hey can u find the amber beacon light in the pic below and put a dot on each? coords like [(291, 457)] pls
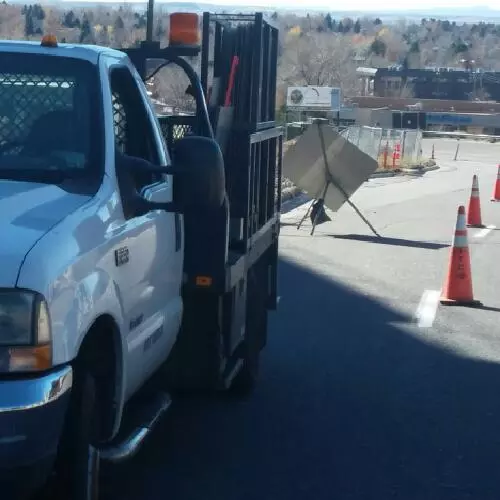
[(184, 29), (49, 41)]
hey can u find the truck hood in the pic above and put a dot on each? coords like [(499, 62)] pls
[(28, 210)]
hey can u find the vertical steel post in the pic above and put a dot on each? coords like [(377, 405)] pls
[(149, 21)]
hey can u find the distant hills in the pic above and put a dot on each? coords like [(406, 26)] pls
[(474, 14)]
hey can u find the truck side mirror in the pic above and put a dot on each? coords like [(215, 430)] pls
[(200, 181)]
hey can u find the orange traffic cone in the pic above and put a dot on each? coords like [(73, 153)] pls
[(496, 189), (457, 290), (474, 208)]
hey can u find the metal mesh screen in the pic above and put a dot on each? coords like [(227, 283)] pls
[(175, 127), (120, 124), (179, 131), (23, 100)]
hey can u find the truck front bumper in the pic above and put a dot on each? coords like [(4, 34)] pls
[(32, 412)]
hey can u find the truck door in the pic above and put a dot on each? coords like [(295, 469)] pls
[(151, 281)]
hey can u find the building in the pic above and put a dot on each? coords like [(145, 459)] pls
[(423, 104), (427, 114), (431, 83)]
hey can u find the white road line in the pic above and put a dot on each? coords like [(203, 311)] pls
[(484, 232), (427, 308)]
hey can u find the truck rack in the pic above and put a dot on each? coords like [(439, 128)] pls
[(231, 253), (245, 127)]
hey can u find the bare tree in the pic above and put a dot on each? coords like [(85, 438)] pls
[(168, 89), (11, 22), (312, 51), (320, 59)]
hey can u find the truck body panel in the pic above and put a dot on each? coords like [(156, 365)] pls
[(29, 210), (83, 52)]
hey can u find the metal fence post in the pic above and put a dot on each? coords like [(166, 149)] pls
[(403, 149)]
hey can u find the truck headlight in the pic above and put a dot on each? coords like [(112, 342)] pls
[(25, 336)]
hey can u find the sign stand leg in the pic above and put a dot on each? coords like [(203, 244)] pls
[(332, 181), (306, 215)]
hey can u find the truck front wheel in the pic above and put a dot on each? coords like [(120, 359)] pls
[(76, 474)]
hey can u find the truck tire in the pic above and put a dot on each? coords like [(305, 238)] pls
[(76, 473), (245, 381), (255, 336)]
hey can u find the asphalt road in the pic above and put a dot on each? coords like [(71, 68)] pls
[(359, 398)]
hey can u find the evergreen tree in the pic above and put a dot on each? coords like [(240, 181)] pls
[(378, 47), (119, 24), (329, 22), (86, 31)]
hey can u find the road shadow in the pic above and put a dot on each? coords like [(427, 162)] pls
[(350, 406), (382, 240), (489, 308)]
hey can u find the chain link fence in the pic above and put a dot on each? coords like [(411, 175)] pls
[(392, 148)]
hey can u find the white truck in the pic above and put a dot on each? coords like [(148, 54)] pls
[(136, 248)]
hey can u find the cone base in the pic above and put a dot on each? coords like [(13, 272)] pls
[(478, 226), (464, 303), (495, 199)]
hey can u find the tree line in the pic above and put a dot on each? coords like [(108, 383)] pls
[(313, 49)]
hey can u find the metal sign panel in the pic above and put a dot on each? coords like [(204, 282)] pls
[(309, 98), (348, 166)]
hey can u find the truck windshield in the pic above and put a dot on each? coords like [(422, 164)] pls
[(50, 126)]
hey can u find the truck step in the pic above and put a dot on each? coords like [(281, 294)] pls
[(137, 428), (232, 369)]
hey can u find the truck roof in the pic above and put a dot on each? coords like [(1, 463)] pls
[(88, 53)]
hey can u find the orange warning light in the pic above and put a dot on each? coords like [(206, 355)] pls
[(184, 29), (203, 281), (49, 41)]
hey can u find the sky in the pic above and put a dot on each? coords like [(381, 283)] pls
[(351, 6), (362, 5)]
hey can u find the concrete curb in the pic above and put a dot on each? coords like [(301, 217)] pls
[(419, 171), (405, 171), (377, 175)]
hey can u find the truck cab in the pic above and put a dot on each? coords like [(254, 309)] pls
[(120, 260), (79, 255)]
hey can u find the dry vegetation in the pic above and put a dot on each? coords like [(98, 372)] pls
[(314, 50)]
